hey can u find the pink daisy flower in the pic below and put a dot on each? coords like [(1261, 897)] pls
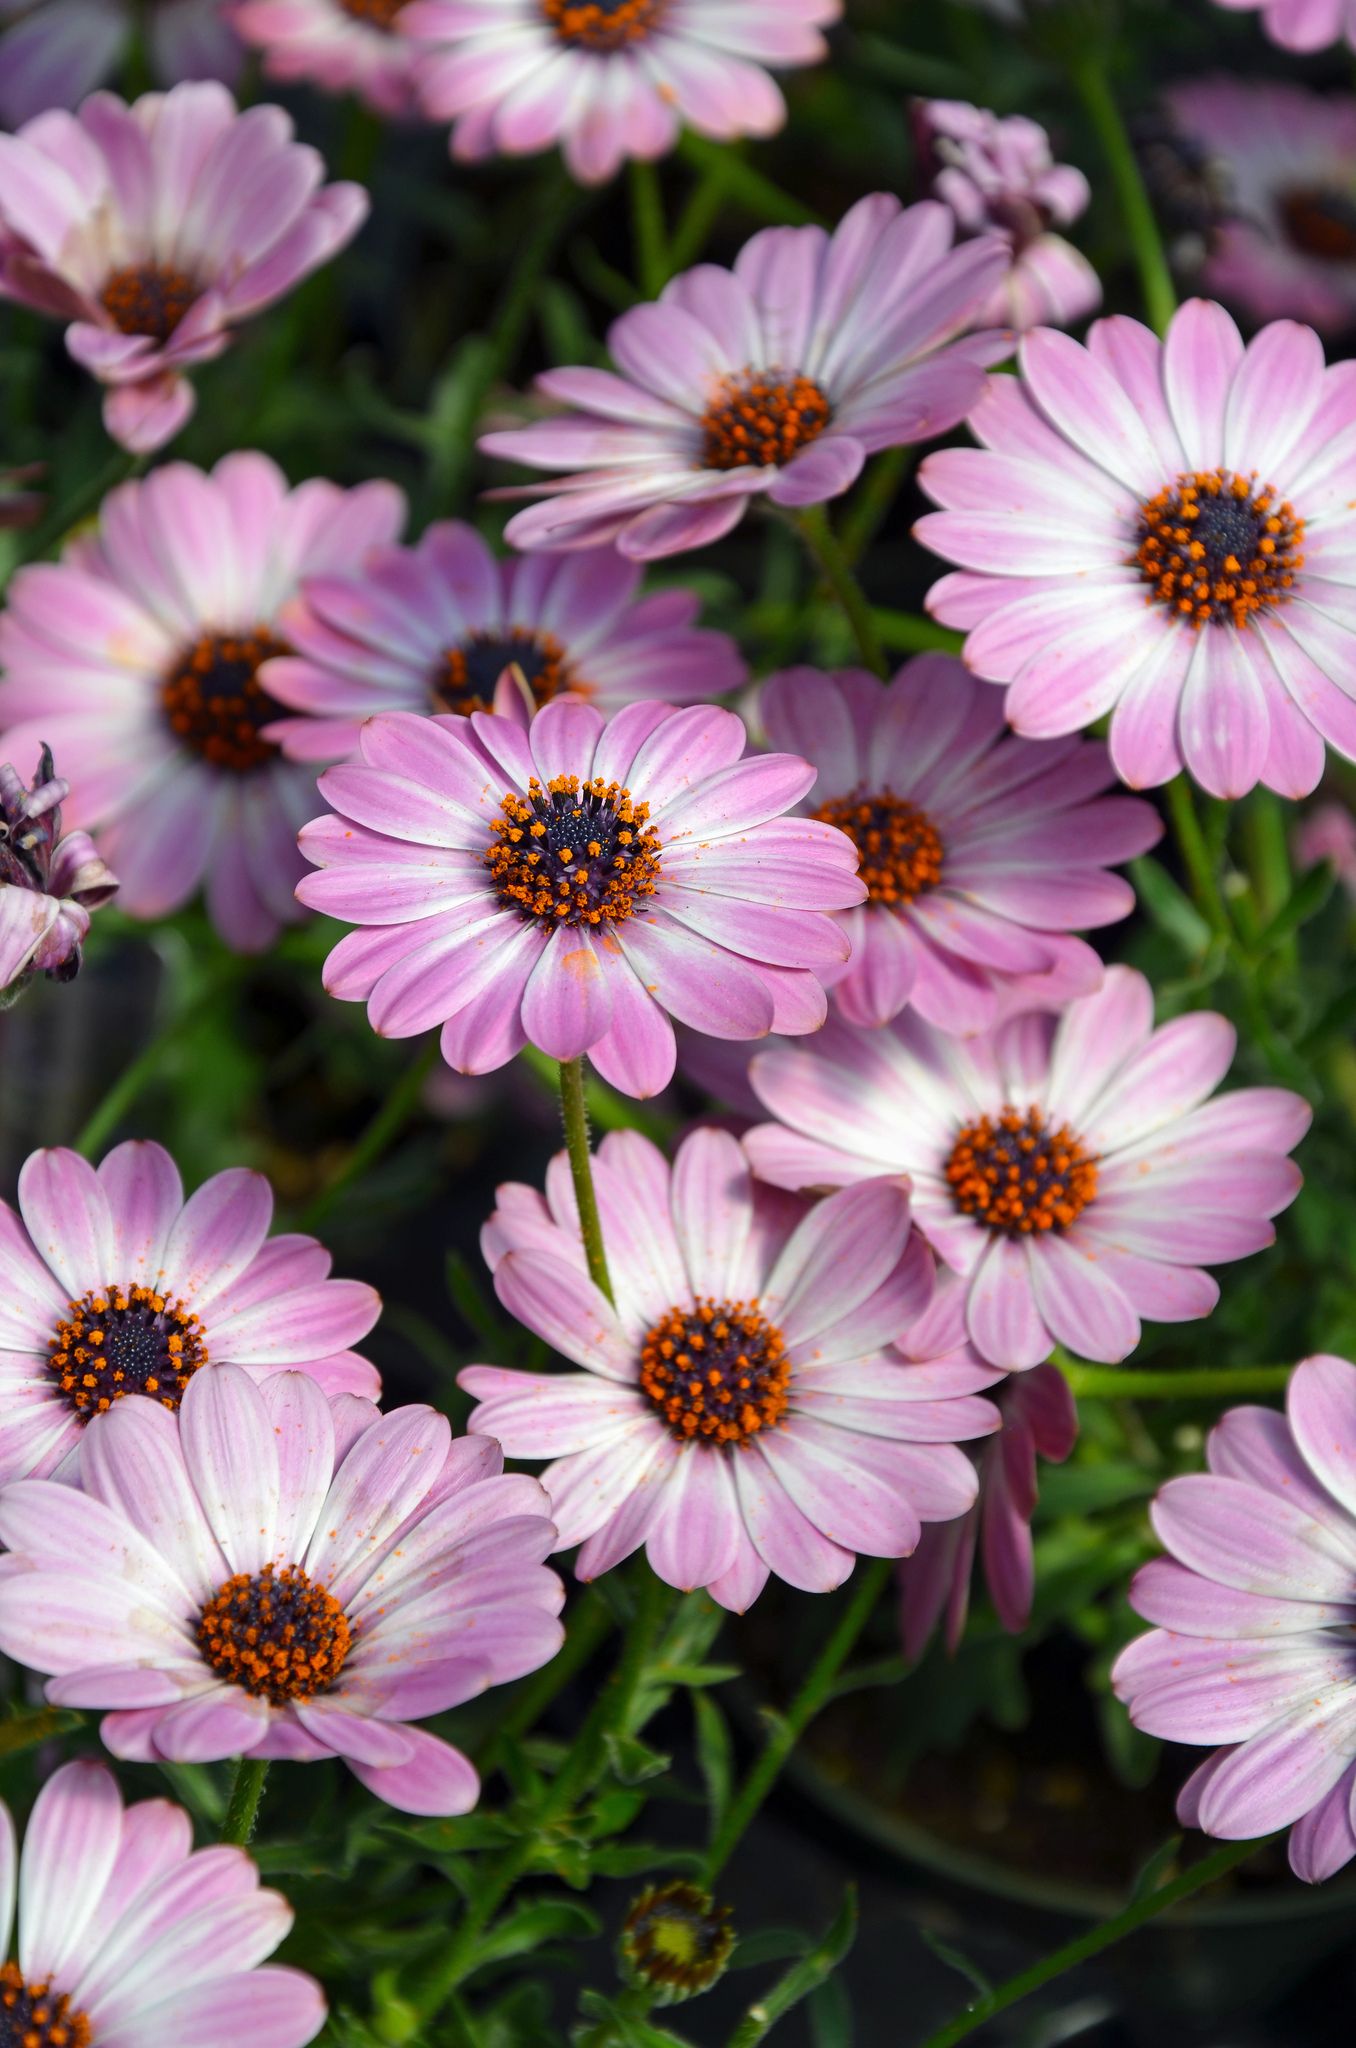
[(740, 1411), (49, 885), (1163, 532), (56, 51), (1287, 161), (1071, 1170), (575, 885), (156, 228), (1254, 1646), (606, 79), (137, 656), (980, 852), (437, 628), (1000, 177), (115, 1285), (1302, 24), (779, 377), (276, 1575), (126, 1933), (339, 45)]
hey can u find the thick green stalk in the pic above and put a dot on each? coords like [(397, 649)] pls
[(649, 236), (1110, 1383), (1155, 275), (575, 1116), (824, 545), (1196, 859), (242, 1814), (384, 1128)]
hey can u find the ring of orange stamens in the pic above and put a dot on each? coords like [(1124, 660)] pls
[(605, 25), (125, 1340), (1218, 549), (1016, 1175), (573, 854), (465, 679), (762, 419), (899, 847), (148, 298), (214, 702), (33, 2016), (275, 1634), (717, 1372)]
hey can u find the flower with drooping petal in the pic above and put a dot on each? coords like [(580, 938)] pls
[(1302, 24), (575, 885), (127, 1934), (1071, 1170), (1328, 833), (439, 626), (1000, 177), (115, 1285), (605, 79), (1039, 1419), (980, 852), (340, 45), (137, 657), (778, 377), (155, 229), (741, 1410), (49, 885), (1163, 531), (274, 1574), (57, 51), (1254, 1643), (1285, 241)]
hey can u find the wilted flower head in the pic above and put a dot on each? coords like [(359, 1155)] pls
[(59, 50), (675, 1941), (1000, 177), (48, 885), (156, 228), (1302, 24), (340, 45)]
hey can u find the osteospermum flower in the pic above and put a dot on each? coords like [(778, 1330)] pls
[(979, 852), (49, 885), (1286, 159), (606, 79), (575, 885), (138, 655), (1071, 1171), (740, 1410), (126, 1933), (1255, 1606), (276, 1575), (1000, 177), (1302, 24), (1162, 531), (155, 229), (339, 45), (778, 377), (115, 1285), (439, 627), (56, 51)]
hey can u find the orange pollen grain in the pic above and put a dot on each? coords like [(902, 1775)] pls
[(1217, 548), (215, 704), (717, 1372), (605, 25), (32, 2016), (465, 679), (572, 853), (899, 847), (1015, 1175), (760, 420), (117, 1341), (275, 1634), (148, 298)]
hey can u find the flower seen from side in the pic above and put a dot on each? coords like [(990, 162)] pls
[(54, 52), (50, 884), (340, 45)]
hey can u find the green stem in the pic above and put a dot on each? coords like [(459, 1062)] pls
[(109, 1113), (824, 545), (1103, 1937), (1155, 275), (575, 1116), (1093, 1382), (1266, 831), (872, 503), (384, 1128), (649, 236), (589, 1626), (1196, 858), (909, 633), (757, 194), (699, 216), (243, 1812), (789, 1727)]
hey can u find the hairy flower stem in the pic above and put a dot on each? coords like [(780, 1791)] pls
[(1155, 276), (242, 1813), (384, 1128), (823, 543), (789, 1727), (1102, 1937), (574, 1114)]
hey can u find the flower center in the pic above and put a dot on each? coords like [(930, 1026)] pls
[(465, 682), (379, 14), (760, 420), (1012, 1173), (676, 1939), (275, 1634), (148, 298), (718, 1371), (603, 24), (1216, 549), (125, 1340), (215, 703), (1320, 223), (32, 2017), (567, 855), (900, 851)]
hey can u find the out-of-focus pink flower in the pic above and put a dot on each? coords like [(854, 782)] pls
[(1302, 24), (49, 885), (440, 626), (740, 1411), (1165, 532), (778, 377), (1000, 177), (54, 52), (155, 229), (980, 852), (1328, 832), (340, 45), (138, 657), (606, 79)]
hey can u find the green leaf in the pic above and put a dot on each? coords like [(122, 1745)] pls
[(618, 2025), (1084, 1489), (715, 1755), (830, 2014), (1306, 901), (1154, 1872), (1166, 905), (955, 1959), (530, 1926), (633, 1761), (768, 1945), (28, 1727), (696, 1675), (802, 1978)]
